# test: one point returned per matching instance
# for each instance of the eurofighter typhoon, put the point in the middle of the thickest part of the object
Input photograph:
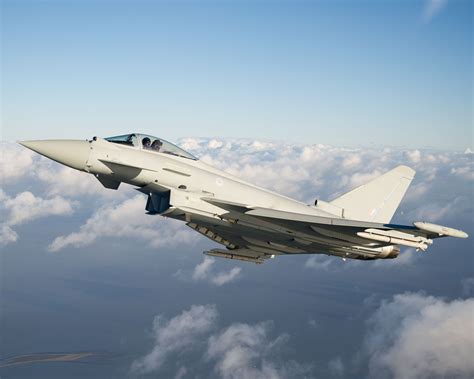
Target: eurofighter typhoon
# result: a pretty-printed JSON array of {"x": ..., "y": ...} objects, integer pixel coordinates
[{"x": 252, "y": 223}]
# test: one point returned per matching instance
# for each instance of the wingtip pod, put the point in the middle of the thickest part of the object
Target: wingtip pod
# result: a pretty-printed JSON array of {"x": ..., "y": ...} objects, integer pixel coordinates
[{"x": 440, "y": 229}]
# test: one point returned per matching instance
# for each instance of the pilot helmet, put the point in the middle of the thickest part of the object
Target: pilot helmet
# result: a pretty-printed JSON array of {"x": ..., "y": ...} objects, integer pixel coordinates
[{"x": 146, "y": 142}]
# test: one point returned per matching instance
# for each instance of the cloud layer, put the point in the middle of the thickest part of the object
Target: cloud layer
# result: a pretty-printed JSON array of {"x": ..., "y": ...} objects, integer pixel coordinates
[
  {"x": 418, "y": 336},
  {"x": 306, "y": 172}
]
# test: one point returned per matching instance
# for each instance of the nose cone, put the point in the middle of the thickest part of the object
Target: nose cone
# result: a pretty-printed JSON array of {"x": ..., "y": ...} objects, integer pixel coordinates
[{"x": 72, "y": 153}]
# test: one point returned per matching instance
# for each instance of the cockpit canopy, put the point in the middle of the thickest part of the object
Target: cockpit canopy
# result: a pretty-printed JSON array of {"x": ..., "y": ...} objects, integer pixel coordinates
[{"x": 150, "y": 143}]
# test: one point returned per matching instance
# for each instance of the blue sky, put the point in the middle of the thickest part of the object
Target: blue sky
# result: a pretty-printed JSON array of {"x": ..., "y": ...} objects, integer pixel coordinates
[{"x": 343, "y": 73}]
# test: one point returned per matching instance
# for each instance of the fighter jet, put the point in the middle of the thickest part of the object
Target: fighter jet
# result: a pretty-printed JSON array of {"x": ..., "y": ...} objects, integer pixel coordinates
[{"x": 252, "y": 223}]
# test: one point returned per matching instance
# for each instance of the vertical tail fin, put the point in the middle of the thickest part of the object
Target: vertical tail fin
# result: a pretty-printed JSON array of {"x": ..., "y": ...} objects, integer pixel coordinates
[{"x": 377, "y": 200}]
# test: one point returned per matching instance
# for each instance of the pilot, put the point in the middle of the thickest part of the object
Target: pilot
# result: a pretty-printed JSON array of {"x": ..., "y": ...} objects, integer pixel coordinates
[
  {"x": 146, "y": 143},
  {"x": 156, "y": 145}
]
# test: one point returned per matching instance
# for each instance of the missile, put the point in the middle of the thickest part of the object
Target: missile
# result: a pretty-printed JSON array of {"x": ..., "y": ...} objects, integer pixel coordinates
[
  {"x": 440, "y": 229},
  {"x": 223, "y": 254},
  {"x": 423, "y": 245}
]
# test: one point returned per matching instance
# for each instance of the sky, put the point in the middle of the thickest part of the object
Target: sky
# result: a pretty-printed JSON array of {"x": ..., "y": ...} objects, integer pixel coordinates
[
  {"x": 351, "y": 73},
  {"x": 309, "y": 99}
]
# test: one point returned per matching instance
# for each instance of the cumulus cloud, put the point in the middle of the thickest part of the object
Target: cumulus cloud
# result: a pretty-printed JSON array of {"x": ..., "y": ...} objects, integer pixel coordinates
[
  {"x": 127, "y": 220},
  {"x": 25, "y": 207},
  {"x": 238, "y": 351},
  {"x": 465, "y": 172},
  {"x": 205, "y": 271},
  {"x": 15, "y": 162},
  {"x": 436, "y": 211},
  {"x": 201, "y": 271},
  {"x": 245, "y": 351},
  {"x": 7, "y": 235},
  {"x": 224, "y": 277},
  {"x": 174, "y": 335},
  {"x": 307, "y": 172},
  {"x": 414, "y": 155},
  {"x": 418, "y": 336}
]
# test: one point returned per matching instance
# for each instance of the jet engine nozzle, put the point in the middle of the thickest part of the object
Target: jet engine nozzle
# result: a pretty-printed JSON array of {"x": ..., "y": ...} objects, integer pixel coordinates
[{"x": 72, "y": 153}]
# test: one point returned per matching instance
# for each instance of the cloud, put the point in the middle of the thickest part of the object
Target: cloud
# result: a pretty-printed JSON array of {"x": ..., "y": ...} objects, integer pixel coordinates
[
  {"x": 435, "y": 211},
  {"x": 246, "y": 351},
  {"x": 25, "y": 207},
  {"x": 414, "y": 156},
  {"x": 204, "y": 271},
  {"x": 336, "y": 367},
  {"x": 418, "y": 336},
  {"x": 175, "y": 335},
  {"x": 238, "y": 351},
  {"x": 226, "y": 277},
  {"x": 432, "y": 8},
  {"x": 181, "y": 373},
  {"x": 15, "y": 162},
  {"x": 466, "y": 172},
  {"x": 201, "y": 271},
  {"x": 127, "y": 220},
  {"x": 7, "y": 235},
  {"x": 320, "y": 262},
  {"x": 406, "y": 257}
]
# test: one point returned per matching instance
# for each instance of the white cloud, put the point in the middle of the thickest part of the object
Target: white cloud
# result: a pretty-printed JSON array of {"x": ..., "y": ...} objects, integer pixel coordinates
[
  {"x": 466, "y": 172},
  {"x": 224, "y": 277},
  {"x": 204, "y": 271},
  {"x": 245, "y": 351},
  {"x": 417, "y": 336},
  {"x": 15, "y": 162},
  {"x": 175, "y": 335},
  {"x": 7, "y": 235},
  {"x": 69, "y": 182},
  {"x": 201, "y": 271},
  {"x": 127, "y": 220},
  {"x": 237, "y": 351},
  {"x": 414, "y": 156},
  {"x": 25, "y": 207},
  {"x": 432, "y": 8},
  {"x": 434, "y": 211},
  {"x": 351, "y": 161},
  {"x": 214, "y": 144}
]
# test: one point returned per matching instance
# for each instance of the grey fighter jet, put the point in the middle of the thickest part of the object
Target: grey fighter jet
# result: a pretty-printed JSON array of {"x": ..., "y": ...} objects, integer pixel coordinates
[{"x": 252, "y": 223}]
